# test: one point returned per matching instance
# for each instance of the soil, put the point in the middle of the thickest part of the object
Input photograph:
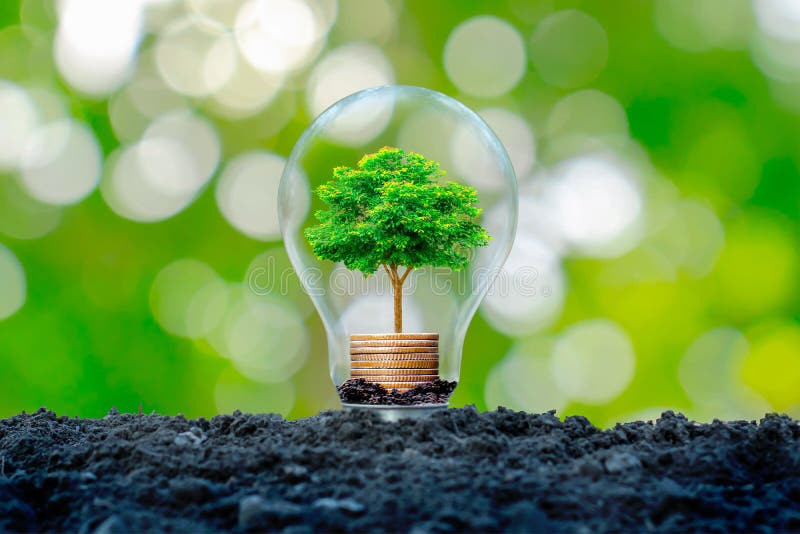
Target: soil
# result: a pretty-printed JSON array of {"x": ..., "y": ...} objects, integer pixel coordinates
[
  {"x": 458, "y": 470},
  {"x": 359, "y": 391}
]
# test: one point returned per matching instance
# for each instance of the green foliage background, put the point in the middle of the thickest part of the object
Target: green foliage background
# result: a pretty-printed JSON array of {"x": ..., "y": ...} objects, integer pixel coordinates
[{"x": 710, "y": 121}]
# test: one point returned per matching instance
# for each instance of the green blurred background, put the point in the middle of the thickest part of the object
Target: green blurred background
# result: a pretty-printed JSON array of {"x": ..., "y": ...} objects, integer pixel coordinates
[{"x": 656, "y": 145}]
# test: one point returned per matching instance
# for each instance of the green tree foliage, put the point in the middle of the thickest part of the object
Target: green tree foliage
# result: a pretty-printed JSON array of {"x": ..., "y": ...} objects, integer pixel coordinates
[{"x": 393, "y": 211}]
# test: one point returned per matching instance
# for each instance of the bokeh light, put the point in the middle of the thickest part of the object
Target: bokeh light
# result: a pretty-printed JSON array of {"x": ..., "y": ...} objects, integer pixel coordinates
[
  {"x": 61, "y": 162},
  {"x": 778, "y": 18},
  {"x": 197, "y": 137},
  {"x": 235, "y": 392},
  {"x": 188, "y": 298},
  {"x": 596, "y": 203},
  {"x": 701, "y": 237},
  {"x": 246, "y": 92},
  {"x": 97, "y": 58},
  {"x": 344, "y": 71},
  {"x": 195, "y": 59},
  {"x": 431, "y": 132},
  {"x": 246, "y": 194},
  {"x": 132, "y": 188},
  {"x": 271, "y": 272},
  {"x": 772, "y": 367},
  {"x": 513, "y": 132},
  {"x": 757, "y": 268},
  {"x": 710, "y": 373},
  {"x": 366, "y": 19},
  {"x": 159, "y": 176},
  {"x": 485, "y": 56},
  {"x": 20, "y": 119},
  {"x": 24, "y": 217},
  {"x": 144, "y": 98},
  {"x": 701, "y": 25},
  {"x": 529, "y": 292},
  {"x": 593, "y": 361},
  {"x": 569, "y": 49},
  {"x": 587, "y": 115},
  {"x": 522, "y": 380},
  {"x": 265, "y": 338},
  {"x": 279, "y": 35},
  {"x": 12, "y": 283}
]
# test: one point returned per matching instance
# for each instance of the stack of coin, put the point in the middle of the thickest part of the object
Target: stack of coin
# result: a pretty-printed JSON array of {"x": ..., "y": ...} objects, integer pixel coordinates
[{"x": 395, "y": 361}]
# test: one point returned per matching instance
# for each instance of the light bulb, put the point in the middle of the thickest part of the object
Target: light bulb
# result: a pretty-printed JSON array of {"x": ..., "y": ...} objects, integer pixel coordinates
[{"x": 439, "y": 297}]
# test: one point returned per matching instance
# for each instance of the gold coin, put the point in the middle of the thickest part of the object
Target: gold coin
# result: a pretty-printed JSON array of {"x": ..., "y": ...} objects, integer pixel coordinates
[
  {"x": 369, "y": 357},
  {"x": 392, "y": 350},
  {"x": 367, "y": 337},
  {"x": 395, "y": 343},
  {"x": 400, "y": 386},
  {"x": 389, "y": 372},
  {"x": 415, "y": 379},
  {"x": 395, "y": 364}
]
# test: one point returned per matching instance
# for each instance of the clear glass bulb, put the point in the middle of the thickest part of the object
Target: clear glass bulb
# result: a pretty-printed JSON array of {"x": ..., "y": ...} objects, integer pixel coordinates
[{"x": 436, "y": 300}]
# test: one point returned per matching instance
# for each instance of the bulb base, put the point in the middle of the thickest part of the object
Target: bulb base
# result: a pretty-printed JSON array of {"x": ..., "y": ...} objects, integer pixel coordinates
[{"x": 397, "y": 413}]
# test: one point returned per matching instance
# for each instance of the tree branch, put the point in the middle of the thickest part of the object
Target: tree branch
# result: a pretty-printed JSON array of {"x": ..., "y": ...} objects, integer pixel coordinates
[
  {"x": 405, "y": 274},
  {"x": 388, "y": 272}
]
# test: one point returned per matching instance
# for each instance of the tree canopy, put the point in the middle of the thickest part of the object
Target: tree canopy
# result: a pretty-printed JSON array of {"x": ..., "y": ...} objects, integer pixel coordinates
[{"x": 392, "y": 209}]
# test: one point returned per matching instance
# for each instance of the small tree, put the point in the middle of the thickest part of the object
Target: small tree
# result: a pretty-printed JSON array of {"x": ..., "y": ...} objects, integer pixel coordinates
[{"x": 391, "y": 211}]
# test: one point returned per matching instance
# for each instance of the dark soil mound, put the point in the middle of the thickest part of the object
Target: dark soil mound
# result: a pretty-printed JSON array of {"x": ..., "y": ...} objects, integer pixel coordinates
[
  {"x": 458, "y": 470},
  {"x": 359, "y": 391}
]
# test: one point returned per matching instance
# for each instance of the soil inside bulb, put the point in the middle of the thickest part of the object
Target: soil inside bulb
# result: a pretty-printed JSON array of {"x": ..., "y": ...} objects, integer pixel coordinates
[{"x": 359, "y": 391}]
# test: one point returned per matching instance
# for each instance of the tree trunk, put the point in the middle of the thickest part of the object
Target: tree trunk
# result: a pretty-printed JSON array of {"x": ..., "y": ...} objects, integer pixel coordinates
[{"x": 397, "y": 289}]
